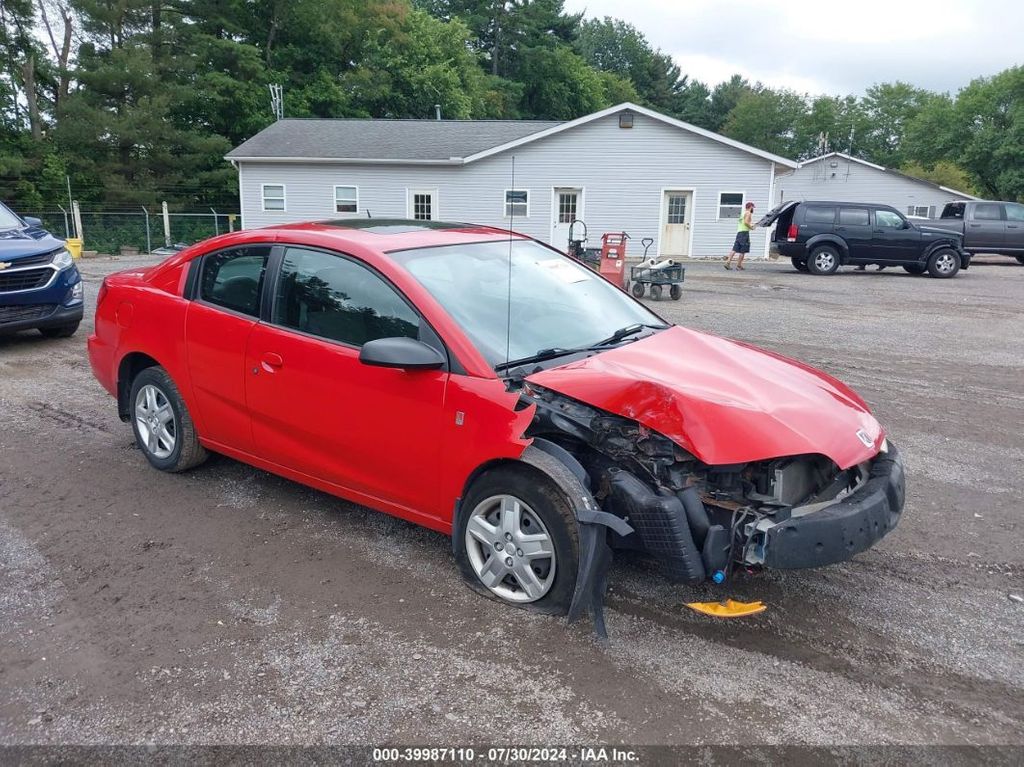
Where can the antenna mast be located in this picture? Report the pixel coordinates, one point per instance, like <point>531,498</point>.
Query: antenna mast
<point>276,100</point>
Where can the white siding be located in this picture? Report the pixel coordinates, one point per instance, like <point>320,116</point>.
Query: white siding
<point>623,173</point>
<point>855,182</point>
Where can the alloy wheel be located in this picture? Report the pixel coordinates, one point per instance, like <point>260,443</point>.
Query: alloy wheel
<point>510,549</point>
<point>154,419</point>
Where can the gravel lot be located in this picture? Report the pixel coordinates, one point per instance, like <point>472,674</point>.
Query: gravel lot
<point>227,605</point>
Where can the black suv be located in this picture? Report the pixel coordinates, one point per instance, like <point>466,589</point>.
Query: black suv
<point>822,236</point>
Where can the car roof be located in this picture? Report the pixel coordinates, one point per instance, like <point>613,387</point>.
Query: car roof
<point>391,234</point>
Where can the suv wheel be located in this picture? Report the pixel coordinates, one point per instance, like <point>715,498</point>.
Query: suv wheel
<point>823,260</point>
<point>516,540</point>
<point>944,263</point>
<point>799,264</point>
<point>163,427</point>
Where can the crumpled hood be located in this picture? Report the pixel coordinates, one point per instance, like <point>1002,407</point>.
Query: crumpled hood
<point>723,401</point>
<point>19,243</point>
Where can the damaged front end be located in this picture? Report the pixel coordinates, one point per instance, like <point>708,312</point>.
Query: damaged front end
<point>703,521</point>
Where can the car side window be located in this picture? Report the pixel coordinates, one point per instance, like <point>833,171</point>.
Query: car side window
<point>886,219</point>
<point>853,216</point>
<point>988,211</point>
<point>817,214</point>
<point>332,297</point>
<point>233,278</point>
<point>1014,212</point>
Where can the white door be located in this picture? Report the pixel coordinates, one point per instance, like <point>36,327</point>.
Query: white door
<point>422,205</point>
<point>568,206</point>
<point>677,213</point>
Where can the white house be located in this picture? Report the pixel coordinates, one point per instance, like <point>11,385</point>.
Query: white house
<point>840,177</point>
<point>626,168</point>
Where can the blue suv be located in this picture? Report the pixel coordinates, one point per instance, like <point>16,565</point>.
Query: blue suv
<point>40,287</point>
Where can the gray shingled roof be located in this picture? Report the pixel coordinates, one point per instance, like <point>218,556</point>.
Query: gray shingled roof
<point>352,139</point>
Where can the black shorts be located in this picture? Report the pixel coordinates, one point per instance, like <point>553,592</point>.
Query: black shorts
<point>742,244</point>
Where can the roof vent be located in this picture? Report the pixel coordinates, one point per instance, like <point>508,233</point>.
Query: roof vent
<point>625,119</point>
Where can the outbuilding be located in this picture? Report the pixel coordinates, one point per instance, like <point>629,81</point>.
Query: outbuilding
<point>626,168</point>
<point>842,178</point>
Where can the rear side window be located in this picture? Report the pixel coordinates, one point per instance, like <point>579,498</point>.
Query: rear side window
<point>234,278</point>
<point>335,298</point>
<point>819,214</point>
<point>988,211</point>
<point>853,216</point>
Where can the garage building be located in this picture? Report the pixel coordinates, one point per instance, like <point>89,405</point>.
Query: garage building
<point>626,168</point>
<point>840,177</point>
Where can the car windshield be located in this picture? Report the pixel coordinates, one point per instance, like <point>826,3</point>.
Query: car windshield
<point>8,220</point>
<point>556,303</point>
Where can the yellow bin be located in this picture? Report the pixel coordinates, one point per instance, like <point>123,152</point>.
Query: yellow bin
<point>74,246</point>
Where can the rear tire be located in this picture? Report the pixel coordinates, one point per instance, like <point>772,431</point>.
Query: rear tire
<point>163,428</point>
<point>542,518</point>
<point>62,331</point>
<point>944,263</point>
<point>823,260</point>
<point>914,268</point>
<point>799,264</point>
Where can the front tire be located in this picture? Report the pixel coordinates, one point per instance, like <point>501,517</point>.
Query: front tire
<point>944,263</point>
<point>62,331</point>
<point>513,506</point>
<point>823,260</point>
<point>163,428</point>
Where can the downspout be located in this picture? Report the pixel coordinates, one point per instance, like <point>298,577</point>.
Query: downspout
<point>771,204</point>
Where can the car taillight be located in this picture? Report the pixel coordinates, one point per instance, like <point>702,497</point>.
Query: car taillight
<point>794,230</point>
<point>101,294</point>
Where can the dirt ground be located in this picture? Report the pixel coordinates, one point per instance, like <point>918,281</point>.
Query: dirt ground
<point>227,605</point>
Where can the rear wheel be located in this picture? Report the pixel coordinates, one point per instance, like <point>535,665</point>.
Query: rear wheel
<point>656,292</point>
<point>516,540</point>
<point>163,428</point>
<point>799,264</point>
<point>638,290</point>
<point>944,263</point>
<point>62,331</point>
<point>823,260</point>
<point>915,268</point>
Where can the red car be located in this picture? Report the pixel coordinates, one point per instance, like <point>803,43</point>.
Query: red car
<point>486,386</point>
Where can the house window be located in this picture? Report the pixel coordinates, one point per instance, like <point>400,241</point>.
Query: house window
<point>921,211</point>
<point>730,204</point>
<point>346,199</point>
<point>517,203</point>
<point>273,197</point>
<point>676,209</point>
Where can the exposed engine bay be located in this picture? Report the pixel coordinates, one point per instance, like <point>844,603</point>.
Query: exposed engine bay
<point>698,521</point>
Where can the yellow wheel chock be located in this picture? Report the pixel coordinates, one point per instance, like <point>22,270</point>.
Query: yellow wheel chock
<point>728,609</point>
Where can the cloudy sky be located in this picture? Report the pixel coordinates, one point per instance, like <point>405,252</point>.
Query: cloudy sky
<point>829,47</point>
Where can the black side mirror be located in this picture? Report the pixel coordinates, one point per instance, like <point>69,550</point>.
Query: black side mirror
<point>404,353</point>
<point>33,222</point>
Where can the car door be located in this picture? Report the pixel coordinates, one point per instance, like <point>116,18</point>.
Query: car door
<point>894,238</point>
<point>225,308</point>
<point>986,228</point>
<point>318,410</point>
<point>854,226</point>
<point>1014,228</point>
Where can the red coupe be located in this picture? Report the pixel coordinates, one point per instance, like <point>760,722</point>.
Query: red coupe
<point>484,385</point>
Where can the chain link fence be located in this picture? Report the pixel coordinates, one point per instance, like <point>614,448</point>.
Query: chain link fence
<point>142,230</point>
